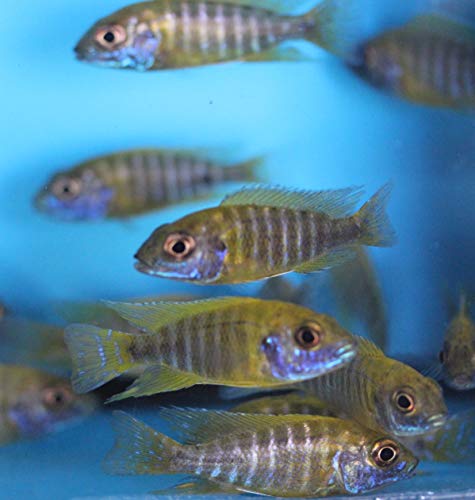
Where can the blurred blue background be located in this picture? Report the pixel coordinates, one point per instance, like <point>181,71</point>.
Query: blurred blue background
<point>318,125</point>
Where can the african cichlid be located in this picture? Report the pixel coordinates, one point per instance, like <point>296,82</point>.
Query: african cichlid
<point>136,181</point>
<point>179,33</point>
<point>234,341</point>
<point>359,298</point>
<point>452,442</point>
<point>431,61</point>
<point>33,403</point>
<point>458,354</point>
<point>259,232</point>
<point>284,456</point>
<point>381,393</point>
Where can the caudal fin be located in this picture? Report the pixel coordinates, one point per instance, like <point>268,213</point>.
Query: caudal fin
<point>138,449</point>
<point>377,230</point>
<point>98,355</point>
<point>249,171</point>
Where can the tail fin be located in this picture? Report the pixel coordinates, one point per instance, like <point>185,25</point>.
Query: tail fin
<point>332,25</point>
<point>246,171</point>
<point>98,355</point>
<point>138,449</point>
<point>377,230</point>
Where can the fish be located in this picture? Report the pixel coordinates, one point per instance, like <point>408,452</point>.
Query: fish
<point>236,341</point>
<point>134,182</point>
<point>381,393</point>
<point>260,232</point>
<point>453,442</point>
<point>40,345</point>
<point>429,61</point>
<point>457,357</point>
<point>34,403</point>
<point>174,34</point>
<point>358,297</point>
<point>284,456</point>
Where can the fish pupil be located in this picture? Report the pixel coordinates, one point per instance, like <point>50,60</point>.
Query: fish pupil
<point>386,454</point>
<point>179,247</point>
<point>403,402</point>
<point>109,37</point>
<point>307,336</point>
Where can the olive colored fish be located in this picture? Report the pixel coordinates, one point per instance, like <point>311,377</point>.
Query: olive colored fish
<point>285,456</point>
<point>34,403</point>
<point>40,345</point>
<point>458,354</point>
<point>179,33</point>
<point>136,181</point>
<point>232,341</point>
<point>259,232</point>
<point>453,442</point>
<point>430,61</point>
<point>358,297</point>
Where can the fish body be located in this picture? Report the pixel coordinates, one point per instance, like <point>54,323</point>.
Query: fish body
<point>294,456</point>
<point>181,33</point>
<point>134,182</point>
<point>381,393</point>
<point>261,232</point>
<point>232,341</point>
<point>458,353</point>
<point>34,403</point>
<point>430,61</point>
<point>453,442</point>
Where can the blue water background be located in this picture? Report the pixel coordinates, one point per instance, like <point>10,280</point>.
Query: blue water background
<point>318,125</point>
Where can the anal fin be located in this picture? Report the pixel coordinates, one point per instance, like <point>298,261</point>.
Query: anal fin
<point>279,53</point>
<point>196,486</point>
<point>329,259</point>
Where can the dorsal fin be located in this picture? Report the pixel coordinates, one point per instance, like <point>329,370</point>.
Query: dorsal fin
<point>442,26</point>
<point>151,316</point>
<point>369,348</point>
<point>333,202</point>
<point>201,426</point>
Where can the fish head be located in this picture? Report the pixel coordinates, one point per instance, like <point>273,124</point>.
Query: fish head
<point>128,39</point>
<point>408,403</point>
<point>302,348</point>
<point>187,250</point>
<point>375,463</point>
<point>75,196</point>
<point>49,406</point>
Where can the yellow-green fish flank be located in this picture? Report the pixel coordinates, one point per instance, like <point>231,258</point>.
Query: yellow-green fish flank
<point>33,403</point>
<point>293,456</point>
<point>260,232</point>
<point>226,341</point>
<point>136,181</point>
<point>381,393</point>
<point>180,33</point>
<point>458,354</point>
<point>429,61</point>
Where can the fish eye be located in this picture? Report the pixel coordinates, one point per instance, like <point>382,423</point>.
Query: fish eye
<point>111,36</point>
<point>56,397</point>
<point>404,401</point>
<point>308,336</point>
<point>66,189</point>
<point>179,245</point>
<point>385,452</point>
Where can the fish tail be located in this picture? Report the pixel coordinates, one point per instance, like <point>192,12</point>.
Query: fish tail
<point>98,355</point>
<point>246,171</point>
<point>376,228</point>
<point>138,449</point>
<point>331,26</point>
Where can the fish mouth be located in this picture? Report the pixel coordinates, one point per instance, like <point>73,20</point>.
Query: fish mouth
<point>461,382</point>
<point>436,421</point>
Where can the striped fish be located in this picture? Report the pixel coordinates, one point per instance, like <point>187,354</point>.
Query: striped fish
<point>179,33</point>
<point>261,232</point>
<point>291,456</point>
<point>430,61</point>
<point>233,341</point>
<point>136,181</point>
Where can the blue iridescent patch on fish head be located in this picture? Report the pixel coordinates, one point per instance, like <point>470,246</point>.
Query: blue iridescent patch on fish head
<point>293,361</point>
<point>177,254</point>
<point>70,197</point>
<point>128,44</point>
<point>361,469</point>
